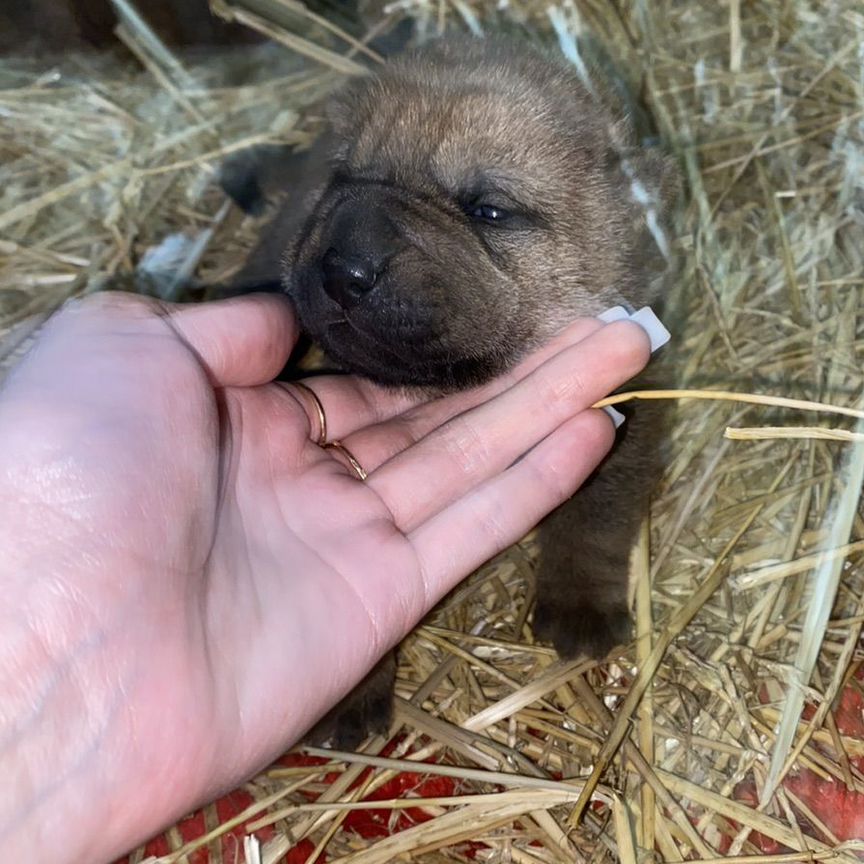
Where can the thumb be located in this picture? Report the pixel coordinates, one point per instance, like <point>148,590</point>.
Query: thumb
<point>243,341</point>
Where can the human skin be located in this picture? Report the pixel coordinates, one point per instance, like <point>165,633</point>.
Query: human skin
<point>188,581</point>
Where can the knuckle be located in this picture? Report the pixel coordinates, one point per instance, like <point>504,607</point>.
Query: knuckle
<point>493,526</point>
<point>560,393</point>
<point>554,477</point>
<point>465,447</point>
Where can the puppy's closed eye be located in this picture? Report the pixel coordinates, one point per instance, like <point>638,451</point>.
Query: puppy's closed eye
<point>497,212</point>
<point>490,213</point>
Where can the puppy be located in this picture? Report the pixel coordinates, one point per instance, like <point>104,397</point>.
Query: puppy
<point>465,204</point>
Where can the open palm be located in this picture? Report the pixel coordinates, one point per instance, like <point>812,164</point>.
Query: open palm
<point>213,579</point>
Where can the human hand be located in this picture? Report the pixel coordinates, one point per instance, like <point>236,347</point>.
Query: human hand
<point>189,581</point>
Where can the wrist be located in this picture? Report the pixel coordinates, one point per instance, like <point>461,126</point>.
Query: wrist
<point>79,782</point>
<point>50,731</point>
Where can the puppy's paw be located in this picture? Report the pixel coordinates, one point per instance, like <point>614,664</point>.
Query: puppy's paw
<point>366,710</point>
<point>583,628</point>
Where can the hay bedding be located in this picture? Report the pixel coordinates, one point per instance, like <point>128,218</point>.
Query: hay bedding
<point>733,726</point>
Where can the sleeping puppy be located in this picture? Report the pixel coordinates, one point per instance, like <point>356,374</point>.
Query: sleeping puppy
<point>465,204</point>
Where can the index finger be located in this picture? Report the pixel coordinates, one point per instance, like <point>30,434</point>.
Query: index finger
<point>483,442</point>
<point>358,407</point>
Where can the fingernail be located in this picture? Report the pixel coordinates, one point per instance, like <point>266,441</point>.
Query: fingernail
<point>616,313</point>
<point>645,318</point>
<point>617,417</point>
<point>653,326</point>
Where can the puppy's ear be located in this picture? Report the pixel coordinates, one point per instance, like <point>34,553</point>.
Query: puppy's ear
<point>343,107</point>
<point>253,177</point>
<point>293,181</point>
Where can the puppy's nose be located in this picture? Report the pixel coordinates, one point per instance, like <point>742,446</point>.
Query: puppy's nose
<point>347,278</point>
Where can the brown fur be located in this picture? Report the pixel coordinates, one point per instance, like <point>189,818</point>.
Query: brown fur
<point>453,300</point>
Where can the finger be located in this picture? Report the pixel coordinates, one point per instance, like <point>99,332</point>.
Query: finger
<point>482,442</point>
<point>499,512</point>
<point>379,444</point>
<point>346,403</point>
<point>241,342</point>
<point>380,422</point>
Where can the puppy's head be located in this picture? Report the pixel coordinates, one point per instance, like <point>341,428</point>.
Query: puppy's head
<point>475,201</point>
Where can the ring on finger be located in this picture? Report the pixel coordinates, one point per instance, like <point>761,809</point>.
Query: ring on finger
<point>319,411</point>
<point>349,456</point>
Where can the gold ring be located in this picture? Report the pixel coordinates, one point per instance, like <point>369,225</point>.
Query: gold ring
<point>319,410</point>
<point>338,445</point>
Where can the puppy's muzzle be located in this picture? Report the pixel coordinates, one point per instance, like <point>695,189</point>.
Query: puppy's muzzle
<point>360,241</point>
